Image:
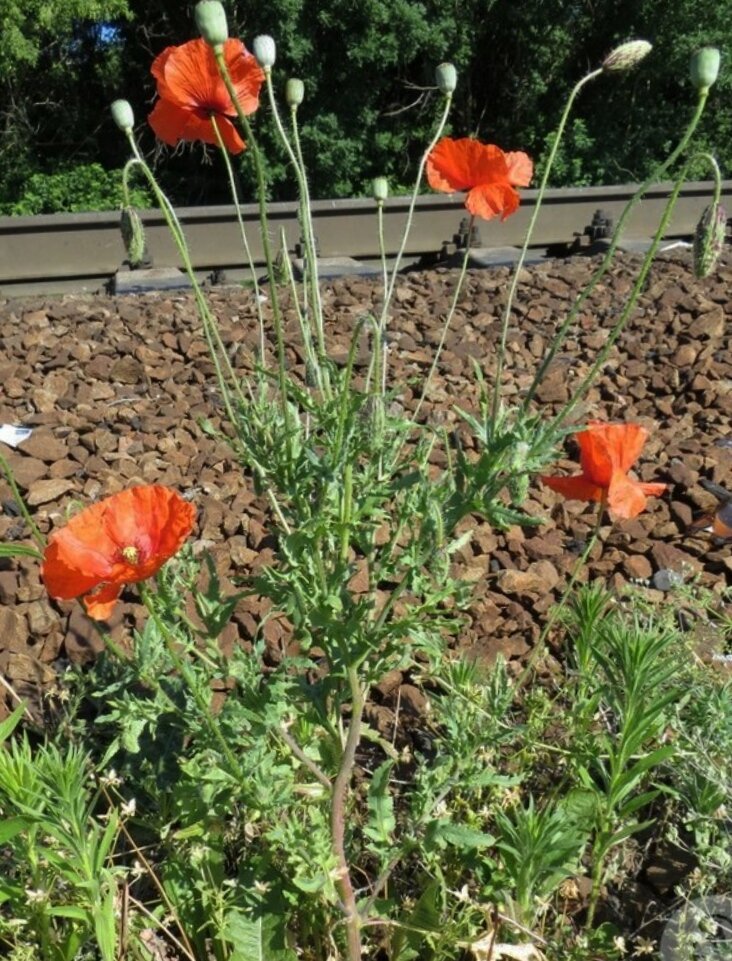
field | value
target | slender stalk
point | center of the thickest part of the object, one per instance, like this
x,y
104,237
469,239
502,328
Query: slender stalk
x,y
446,325
655,176
266,246
338,816
389,293
557,609
529,234
627,310
216,347
314,769
244,240
18,498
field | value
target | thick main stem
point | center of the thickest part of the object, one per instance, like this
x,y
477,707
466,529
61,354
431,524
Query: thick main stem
x,y
339,796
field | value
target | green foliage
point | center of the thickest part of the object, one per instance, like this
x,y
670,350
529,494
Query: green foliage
x,y
83,188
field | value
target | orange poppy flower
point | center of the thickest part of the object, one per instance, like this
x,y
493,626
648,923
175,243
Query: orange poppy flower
x,y
192,92
484,170
607,452
121,540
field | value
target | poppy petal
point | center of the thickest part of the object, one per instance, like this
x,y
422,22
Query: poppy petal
x,y
65,580
172,123
626,498
492,200
461,164
100,604
520,168
576,488
246,74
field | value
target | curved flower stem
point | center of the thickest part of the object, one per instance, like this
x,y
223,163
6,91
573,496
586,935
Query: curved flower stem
x,y
446,325
306,222
557,609
266,246
185,672
529,234
657,173
338,816
389,293
627,310
245,242
216,347
379,356
716,172
18,498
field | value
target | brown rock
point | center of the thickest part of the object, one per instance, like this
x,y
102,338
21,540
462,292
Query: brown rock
x,y
43,491
638,567
13,629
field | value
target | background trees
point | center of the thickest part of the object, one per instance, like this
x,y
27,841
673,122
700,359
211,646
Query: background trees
x,y
368,67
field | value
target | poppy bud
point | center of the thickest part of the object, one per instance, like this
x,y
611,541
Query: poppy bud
x,y
122,115
133,235
446,78
704,68
265,51
626,56
709,239
380,189
294,92
211,22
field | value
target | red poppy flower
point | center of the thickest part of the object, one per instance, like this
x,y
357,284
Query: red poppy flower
x,y
191,92
484,170
121,540
607,452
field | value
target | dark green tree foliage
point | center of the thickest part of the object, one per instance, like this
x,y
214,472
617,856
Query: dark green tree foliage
x,y
368,69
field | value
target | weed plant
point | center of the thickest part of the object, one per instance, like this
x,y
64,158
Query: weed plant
x,y
158,818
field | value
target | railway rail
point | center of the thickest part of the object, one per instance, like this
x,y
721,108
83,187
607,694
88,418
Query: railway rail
x,y
84,252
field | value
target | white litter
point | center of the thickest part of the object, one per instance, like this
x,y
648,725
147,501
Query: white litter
x,y
12,435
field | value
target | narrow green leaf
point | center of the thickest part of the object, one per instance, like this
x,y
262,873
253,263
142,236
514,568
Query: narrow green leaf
x,y
382,822
10,723
12,827
104,925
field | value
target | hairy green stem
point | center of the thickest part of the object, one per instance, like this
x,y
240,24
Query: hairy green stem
x,y
244,239
389,293
339,796
18,498
529,234
656,174
266,247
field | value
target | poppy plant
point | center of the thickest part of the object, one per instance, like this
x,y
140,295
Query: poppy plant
x,y
488,174
123,539
607,452
192,93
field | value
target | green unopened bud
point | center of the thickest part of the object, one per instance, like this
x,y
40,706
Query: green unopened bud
x,y
704,68
122,115
294,92
133,235
265,51
211,22
626,56
380,189
709,239
446,77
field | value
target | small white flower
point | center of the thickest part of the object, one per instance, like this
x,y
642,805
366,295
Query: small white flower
x,y
128,808
644,946
619,944
111,779
35,895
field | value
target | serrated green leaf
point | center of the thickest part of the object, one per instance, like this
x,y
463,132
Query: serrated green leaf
x,y
257,939
382,822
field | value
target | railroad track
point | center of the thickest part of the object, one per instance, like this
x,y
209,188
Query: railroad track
x,y
83,252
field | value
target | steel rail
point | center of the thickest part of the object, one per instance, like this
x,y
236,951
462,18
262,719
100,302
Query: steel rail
x,y
82,252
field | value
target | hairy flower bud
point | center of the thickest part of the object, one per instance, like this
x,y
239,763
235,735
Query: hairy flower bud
x,y
294,92
133,235
211,22
265,51
446,78
704,68
122,115
709,239
380,189
626,56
